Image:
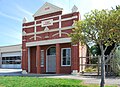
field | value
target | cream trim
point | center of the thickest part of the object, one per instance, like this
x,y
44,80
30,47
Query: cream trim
x,y
44,18
30,26
31,37
39,36
49,42
46,29
48,17
53,30
34,36
54,21
28,34
60,26
24,40
35,31
65,33
55,34
58,33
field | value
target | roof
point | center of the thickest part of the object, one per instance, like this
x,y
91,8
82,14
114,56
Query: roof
x,y
11,48
47,8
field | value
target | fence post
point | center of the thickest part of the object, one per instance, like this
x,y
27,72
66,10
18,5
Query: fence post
x,y
98,65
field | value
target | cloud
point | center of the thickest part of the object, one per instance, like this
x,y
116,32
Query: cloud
x,y
104,4
23,10
10,17
14,36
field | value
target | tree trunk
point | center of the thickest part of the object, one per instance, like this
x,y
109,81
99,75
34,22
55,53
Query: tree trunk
x,y
102,67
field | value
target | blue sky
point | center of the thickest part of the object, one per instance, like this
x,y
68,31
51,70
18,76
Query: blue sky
x,y
12,13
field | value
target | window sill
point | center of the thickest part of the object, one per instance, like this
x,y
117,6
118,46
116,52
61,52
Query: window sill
x,y
42,65
65,65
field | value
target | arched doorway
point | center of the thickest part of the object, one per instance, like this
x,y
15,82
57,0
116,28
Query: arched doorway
x,y
51,59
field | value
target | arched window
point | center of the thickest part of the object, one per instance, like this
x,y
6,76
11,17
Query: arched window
x,y
51,51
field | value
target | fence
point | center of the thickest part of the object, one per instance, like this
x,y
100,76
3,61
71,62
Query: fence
x,y
91,65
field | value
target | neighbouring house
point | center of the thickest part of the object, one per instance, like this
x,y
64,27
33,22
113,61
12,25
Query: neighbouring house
x,y
10,56
46,47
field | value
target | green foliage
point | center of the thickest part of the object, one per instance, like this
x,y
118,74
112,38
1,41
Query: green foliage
x,y
116,62
95,50
100,27
94,60
90,69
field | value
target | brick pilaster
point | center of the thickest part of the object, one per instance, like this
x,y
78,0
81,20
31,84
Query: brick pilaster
x,y
75,57
58,58
38,55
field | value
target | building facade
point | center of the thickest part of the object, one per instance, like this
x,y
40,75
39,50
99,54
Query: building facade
x,y
46,47
10,56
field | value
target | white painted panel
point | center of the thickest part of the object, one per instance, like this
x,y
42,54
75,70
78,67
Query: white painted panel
x,y
10,54
11,66
48,42
51,60
47,23
28,59
0,59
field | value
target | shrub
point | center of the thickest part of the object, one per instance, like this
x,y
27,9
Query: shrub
x,y
90,69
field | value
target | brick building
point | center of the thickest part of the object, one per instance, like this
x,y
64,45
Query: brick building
x,y
46,47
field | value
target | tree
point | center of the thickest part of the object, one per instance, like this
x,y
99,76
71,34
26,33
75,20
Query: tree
x,y
95,50
99,27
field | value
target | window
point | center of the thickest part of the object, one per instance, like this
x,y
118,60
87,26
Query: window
x,y
51,51
11,60
66,57
42,58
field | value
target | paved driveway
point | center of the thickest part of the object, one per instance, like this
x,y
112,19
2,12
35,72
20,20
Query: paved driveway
x,y
11,72
90,79
86,79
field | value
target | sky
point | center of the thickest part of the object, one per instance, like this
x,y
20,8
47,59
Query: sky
x,y
12,13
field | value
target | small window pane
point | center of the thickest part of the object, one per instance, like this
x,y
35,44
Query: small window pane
x,y
64,61
64,52
51,51
42,57
66,55
68,62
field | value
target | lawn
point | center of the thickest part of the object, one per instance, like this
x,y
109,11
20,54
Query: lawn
x,y
41,82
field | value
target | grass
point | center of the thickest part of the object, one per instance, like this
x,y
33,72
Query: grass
x,y
41,82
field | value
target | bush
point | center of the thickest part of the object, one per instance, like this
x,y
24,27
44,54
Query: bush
x,y
116,62
90,69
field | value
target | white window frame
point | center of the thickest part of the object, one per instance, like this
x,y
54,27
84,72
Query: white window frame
x,y
43,58
62,57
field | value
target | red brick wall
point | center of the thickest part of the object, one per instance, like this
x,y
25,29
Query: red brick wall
x,y
33,68
48,15
63,69
26,39
67,23
75,57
